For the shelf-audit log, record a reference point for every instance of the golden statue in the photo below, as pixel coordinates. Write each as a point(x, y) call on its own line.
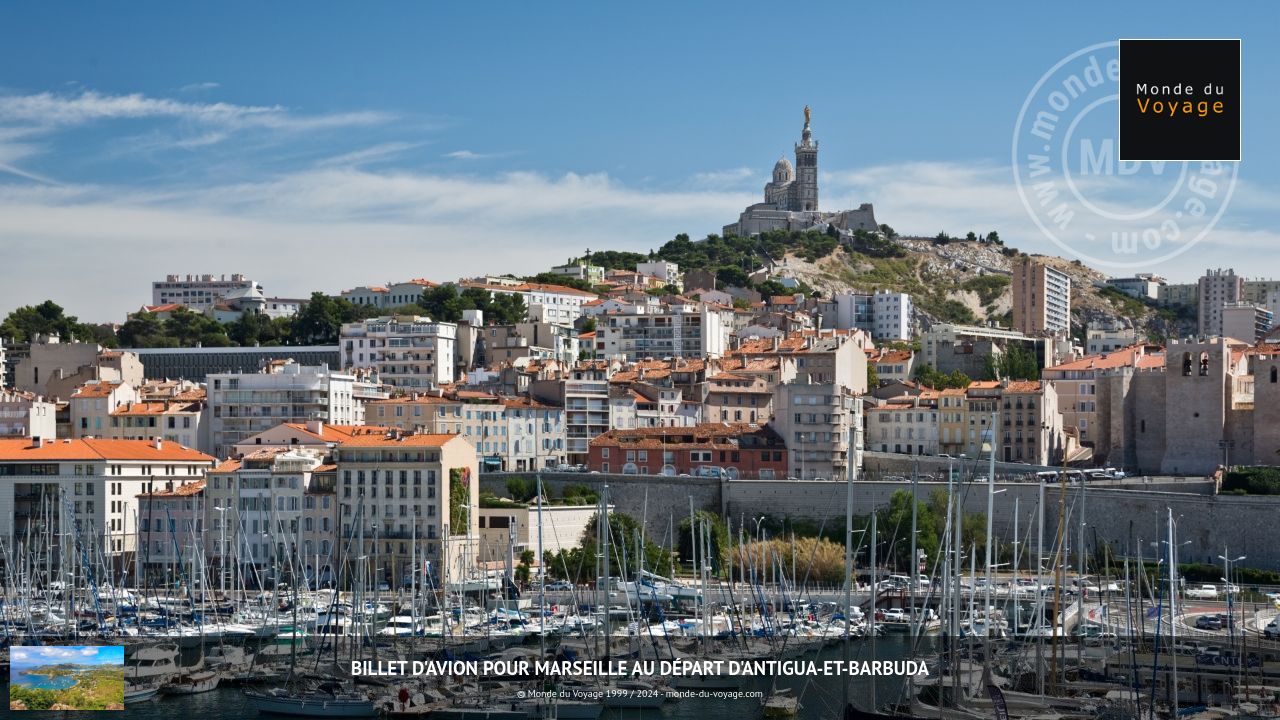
point(806, 114)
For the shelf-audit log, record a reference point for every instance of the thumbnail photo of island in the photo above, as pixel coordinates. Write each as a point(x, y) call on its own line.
point(77, 677)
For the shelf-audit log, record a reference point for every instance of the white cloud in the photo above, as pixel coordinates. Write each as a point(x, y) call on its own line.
point(365, 156)
point(198, 87)
point(50, 110)
point(733, 179)
point(469, 155)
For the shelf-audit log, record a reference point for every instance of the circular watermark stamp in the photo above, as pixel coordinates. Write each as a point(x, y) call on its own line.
point(1082, 196)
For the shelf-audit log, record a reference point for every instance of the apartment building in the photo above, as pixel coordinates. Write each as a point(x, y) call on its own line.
point(817, 421)
point(1041, 298)
point(198, 292)
point(907, 424)
point(391, 295)
point(819, 356)
point(24, 414)
point(170, 533)
point(405, 351)
point(690, 330)
point(584, 394)
point(256, 511)
point(1030, 428)
point(52, 486)
point(732, 450)
point(1245, 321)
point(1215, 290)
point(508, 433)
point(242, 405)
point(393, 487)
point(55, 369)
point(737, 398)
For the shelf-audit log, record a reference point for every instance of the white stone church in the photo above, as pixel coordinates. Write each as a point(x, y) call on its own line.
point(791, 198)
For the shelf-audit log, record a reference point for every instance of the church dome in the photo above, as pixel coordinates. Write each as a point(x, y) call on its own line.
point(782, 171)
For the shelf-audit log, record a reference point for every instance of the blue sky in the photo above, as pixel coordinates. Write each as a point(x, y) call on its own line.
point(324, 146)
point(77, 654)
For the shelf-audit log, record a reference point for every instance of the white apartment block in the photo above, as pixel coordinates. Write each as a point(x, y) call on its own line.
point(198, 292)
point(91, 485)
point(245, 404)
point(691, 330)
point(508, 433)
point(391, 295)
point(667, 272)
point(405, 351)
point(507, 532)
point(891, 313)
point(24, 414)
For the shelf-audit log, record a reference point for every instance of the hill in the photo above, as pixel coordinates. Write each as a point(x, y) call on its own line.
point(960, 280)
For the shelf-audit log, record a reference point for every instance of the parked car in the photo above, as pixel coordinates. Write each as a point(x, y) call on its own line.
point(1272, 630)
point(895, 615)
point(559, 585)
point(1204, 592)
point(1208, 622)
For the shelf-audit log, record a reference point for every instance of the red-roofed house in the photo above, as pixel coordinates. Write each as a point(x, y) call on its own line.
point(95, 482)
point(740, 450)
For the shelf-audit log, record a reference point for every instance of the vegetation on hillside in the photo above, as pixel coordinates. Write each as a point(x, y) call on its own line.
point(96, 688)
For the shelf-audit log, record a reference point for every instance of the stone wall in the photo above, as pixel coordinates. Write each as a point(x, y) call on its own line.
point(1122, 516)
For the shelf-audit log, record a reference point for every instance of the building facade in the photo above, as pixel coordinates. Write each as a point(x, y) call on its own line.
point(405, 351)
point(245, 404)
point(198, 292)
point(1041, 298)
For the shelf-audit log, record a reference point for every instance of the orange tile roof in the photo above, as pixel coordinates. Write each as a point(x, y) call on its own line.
point(166, 307)
point(340, 433)
point(227, 466)
point(1124, 357)
point(894, 356)
point(1023, 386)
point(183, 490)
point(397, 440)
point(98, 449)
point(154, 408)
point(324, 468)
point(95, 390)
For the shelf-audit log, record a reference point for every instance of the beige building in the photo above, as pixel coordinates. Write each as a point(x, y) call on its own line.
point(817, 422)
point(1084, 404)
point(1041, 298)
point(506, 532)
point(55, 369)
point(1216, 289)
point(737, 398)
point(1030, 424)
point(395, 486)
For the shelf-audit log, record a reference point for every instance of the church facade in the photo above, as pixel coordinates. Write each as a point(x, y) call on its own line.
point(791, 198)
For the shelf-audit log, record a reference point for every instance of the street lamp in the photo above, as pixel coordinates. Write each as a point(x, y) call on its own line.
point(1226, 579)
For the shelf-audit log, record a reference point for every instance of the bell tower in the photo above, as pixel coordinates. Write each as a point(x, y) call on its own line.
point(806, 182)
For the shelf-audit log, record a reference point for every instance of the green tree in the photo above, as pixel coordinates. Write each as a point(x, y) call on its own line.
point(873, 377)
point(47, 318)
point(320, 321)
point(894, 527)
point(188, 327)
point(141, 330)
point(719, 540)
point(460, 481)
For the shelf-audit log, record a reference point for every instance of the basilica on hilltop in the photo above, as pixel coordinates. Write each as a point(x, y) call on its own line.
point(791, 198)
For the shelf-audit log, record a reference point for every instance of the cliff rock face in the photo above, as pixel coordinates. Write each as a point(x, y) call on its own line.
point(17, 705)
point(962, 282)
